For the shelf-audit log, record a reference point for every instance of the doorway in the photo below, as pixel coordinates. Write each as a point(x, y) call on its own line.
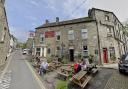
point(105, 55)
point(71, 54)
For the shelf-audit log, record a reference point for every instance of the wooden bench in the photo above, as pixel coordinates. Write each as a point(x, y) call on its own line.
point(88, 78)
point(81, 79)
point(63, 74)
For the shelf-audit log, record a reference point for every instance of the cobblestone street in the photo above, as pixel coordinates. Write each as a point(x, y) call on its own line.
point(117, 81)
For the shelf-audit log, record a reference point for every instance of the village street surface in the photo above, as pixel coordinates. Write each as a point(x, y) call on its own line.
point(18, 75)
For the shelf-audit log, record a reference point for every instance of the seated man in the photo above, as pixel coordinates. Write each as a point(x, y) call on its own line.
point(44, 65)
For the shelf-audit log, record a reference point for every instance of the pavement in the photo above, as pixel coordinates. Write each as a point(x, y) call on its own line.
point(110, 66)
point(18, 75)
point(117, 81)
point(98, 81)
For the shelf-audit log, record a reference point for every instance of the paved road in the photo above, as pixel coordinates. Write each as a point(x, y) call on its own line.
point(117, 81)
point(99, 81)
point(19, 75)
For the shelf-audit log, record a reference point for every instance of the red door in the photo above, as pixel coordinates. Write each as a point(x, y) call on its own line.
point(105, 55)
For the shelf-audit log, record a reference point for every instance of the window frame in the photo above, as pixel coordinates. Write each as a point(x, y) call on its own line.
point(58, 33)
point(107, 18)
point(42, 35)
point(71, 35)
point(84, 33)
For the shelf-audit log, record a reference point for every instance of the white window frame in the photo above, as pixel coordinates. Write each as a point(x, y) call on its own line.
point(85, 51)
point(3, 35)
point(58, 33)
point(107, 18)
point(84, 33)
point(71, 35)
point(109, 30)
point(42, 35)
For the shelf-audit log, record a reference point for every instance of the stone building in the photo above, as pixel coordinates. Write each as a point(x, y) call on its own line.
point(4, 34)
point(99, 35)
point(13, 43)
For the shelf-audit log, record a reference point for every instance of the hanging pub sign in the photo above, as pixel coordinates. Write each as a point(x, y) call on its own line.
point(49, 34)
point(31, 34)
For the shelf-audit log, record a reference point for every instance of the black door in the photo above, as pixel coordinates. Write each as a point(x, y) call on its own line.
point(71, 54)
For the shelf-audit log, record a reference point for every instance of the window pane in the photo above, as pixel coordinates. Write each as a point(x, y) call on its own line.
point(109, 29)
point(49, 50)
point(107, 18)
point(84, 36)
point(84, 33)
point(42, 37)
point(70, 32)
point(71, 37)
point(57, 33)
point(84, 30)
point(58, 37)
point(58, 48)
point(38, 49)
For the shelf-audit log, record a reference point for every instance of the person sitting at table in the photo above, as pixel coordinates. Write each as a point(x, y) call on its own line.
point(44, 65)
point(83, 64)
point(77, 67)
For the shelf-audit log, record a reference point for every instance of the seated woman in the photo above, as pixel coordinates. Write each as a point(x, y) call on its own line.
point(83, 65)
point(77, 67)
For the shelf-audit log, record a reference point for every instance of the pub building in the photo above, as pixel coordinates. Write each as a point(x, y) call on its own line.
point(100, 35)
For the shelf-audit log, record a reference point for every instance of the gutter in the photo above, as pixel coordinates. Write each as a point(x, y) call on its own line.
point(98, 42)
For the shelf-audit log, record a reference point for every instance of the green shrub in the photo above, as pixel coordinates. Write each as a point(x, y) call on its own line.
point(79, 56)
point(113, 58)
point(64, 61)
point(91, 58)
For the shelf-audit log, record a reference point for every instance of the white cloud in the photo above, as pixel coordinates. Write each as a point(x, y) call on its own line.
point(52, 4)
point(32, 18)
point(20, 33)
point(34, 3)
point(119, 7)
point(75, 8)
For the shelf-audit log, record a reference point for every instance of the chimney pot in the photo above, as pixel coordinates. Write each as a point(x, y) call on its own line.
point(57, 19)
point(47, 21)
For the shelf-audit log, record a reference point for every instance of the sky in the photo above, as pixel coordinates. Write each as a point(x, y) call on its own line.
point(25, 15)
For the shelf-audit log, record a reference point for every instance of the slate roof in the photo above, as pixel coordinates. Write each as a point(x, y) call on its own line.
point(79, 20)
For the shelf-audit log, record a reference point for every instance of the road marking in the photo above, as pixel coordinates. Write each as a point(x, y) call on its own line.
point(6, 80)
point(36, 77)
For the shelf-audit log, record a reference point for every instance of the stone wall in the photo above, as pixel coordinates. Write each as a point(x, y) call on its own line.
point(4, 35)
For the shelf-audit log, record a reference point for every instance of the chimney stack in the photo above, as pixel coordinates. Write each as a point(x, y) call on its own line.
point(57, 19)
point(46, 21)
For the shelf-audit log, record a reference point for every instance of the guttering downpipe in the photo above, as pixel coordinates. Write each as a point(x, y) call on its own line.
point(98, 42)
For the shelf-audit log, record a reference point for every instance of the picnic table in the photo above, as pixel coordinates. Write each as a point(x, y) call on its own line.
point(51, 66)
point(81, 78)
point(65, 71)
point(56, 64)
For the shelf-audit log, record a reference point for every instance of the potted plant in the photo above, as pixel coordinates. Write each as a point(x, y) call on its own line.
point(113, 58)
point(91, 58)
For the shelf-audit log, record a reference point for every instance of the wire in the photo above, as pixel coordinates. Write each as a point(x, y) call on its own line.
point(83, 2)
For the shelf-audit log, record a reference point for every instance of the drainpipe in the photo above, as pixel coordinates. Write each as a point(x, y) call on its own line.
point(98, 42)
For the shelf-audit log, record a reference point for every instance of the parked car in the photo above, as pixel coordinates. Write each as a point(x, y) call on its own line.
point(25, 51)
point(123, 64)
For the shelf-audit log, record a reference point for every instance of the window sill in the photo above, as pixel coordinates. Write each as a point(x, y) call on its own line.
point(58, 40)
point(1, 41)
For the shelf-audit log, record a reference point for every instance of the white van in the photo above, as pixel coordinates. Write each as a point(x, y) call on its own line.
point(25, 51)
